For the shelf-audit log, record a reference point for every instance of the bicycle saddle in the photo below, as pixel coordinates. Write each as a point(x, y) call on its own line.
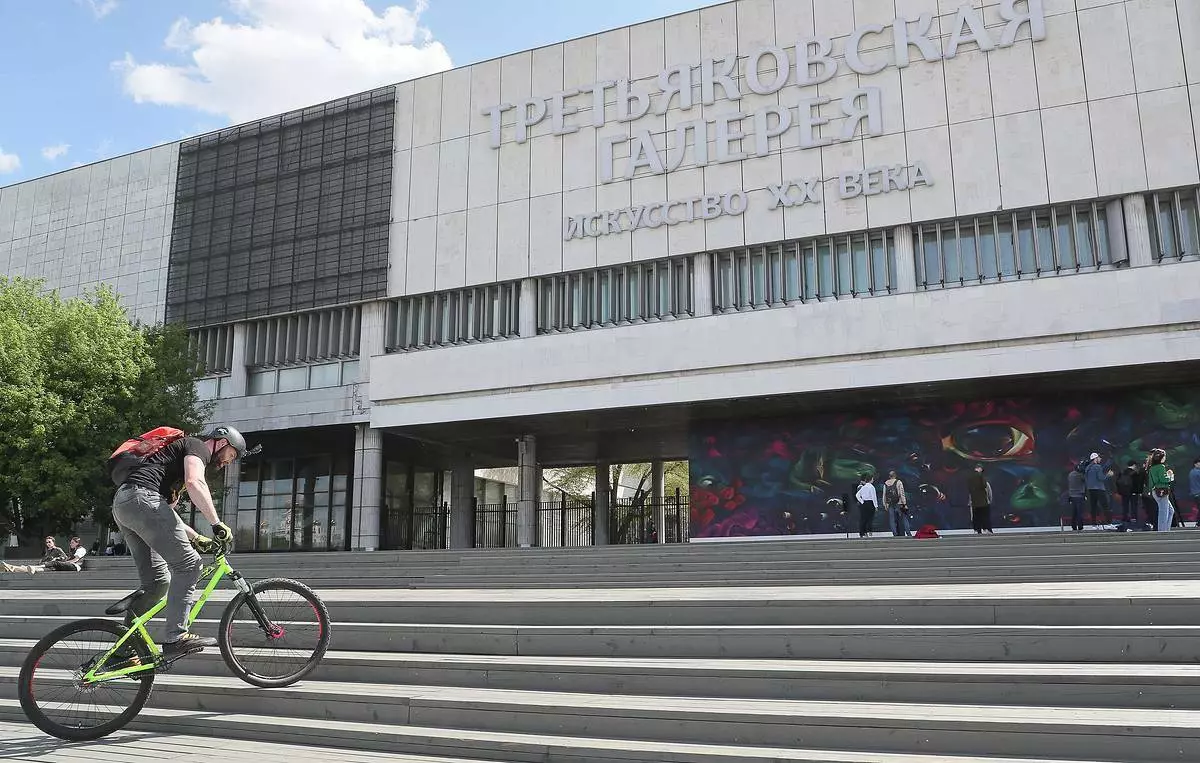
point(123, 606)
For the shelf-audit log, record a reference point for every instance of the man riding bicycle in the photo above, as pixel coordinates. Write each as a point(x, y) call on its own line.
point(159, 541)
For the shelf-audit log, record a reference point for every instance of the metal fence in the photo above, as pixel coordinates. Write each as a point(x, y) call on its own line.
point(495, 524)
point(566, 521)
point(634, 521)
point(419, 528)
point(563, 522)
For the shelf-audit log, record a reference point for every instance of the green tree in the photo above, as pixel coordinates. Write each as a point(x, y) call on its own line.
point(76, 379)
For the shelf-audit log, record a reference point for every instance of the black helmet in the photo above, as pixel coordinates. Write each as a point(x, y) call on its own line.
point(231, 436)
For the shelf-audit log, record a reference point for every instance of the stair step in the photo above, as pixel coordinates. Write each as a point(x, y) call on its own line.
point(1064, 684)
point(1157, 602)
point(1154, 644)
point(263, 739)
point(1129, 734)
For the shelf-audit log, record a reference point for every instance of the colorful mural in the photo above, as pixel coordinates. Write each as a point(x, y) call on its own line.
point(785, 477)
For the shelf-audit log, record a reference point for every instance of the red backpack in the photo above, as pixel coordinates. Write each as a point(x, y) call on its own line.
point(132, 453)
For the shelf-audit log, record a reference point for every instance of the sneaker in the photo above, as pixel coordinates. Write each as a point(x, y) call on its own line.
point(187, 644)
point(6, 566)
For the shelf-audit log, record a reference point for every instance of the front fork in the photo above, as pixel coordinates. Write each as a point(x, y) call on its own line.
point(269, 628)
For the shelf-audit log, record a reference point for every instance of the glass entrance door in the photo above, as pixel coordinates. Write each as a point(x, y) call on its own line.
point(293, 504)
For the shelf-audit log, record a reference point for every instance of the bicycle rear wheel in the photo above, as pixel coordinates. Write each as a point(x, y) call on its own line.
point(291, 645)
point(58, 701)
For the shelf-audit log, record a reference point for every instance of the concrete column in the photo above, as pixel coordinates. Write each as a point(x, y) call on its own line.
point(702, 284)
point(658, 484)
point(906, 260)
point(529, 479)
point(1115, 215)
point(527, 325)
point(235, 385)
point(370, 337)
point(1141, 250)
point(368, 488)
point(604, 491)
point(462, 508)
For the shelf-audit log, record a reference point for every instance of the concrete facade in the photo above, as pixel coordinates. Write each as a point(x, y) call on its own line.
point(1097, 106)
point(107, 223)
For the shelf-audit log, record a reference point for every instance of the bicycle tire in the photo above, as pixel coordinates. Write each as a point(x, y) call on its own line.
point(29, 669)
point(246, 674)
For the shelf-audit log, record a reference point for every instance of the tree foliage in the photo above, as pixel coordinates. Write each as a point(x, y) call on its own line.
point(76, 379)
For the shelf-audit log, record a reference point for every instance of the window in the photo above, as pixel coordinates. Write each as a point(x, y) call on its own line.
point(325, 375)
point(852, 265)
point(464, 316)
point(261, 382)
point(650, 291)
point(292, 504)
point(1174, 223)
point(208, 389)
point(1025, 244)
point(292, 379)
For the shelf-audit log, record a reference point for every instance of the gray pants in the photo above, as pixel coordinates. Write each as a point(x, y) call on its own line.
point(166, 561)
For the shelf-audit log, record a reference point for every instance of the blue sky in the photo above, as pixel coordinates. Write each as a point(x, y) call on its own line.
point(85, 80)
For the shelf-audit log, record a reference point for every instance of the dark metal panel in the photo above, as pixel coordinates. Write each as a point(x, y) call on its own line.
point(287, 213)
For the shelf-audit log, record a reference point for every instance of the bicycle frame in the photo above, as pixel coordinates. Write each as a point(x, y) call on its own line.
point(214, 573)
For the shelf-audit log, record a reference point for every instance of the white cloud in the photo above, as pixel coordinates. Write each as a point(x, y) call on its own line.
point(280, 55)
point(50, 153)
point(99, 8)
point(9, 163)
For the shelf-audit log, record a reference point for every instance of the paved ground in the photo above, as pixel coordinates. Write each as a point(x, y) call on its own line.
point(22, 742)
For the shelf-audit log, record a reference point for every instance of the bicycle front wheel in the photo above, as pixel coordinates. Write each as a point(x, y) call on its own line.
point(276, 635)
point(59, 701)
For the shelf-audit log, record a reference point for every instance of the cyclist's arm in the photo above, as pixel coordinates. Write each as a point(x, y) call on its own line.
point(197, 488)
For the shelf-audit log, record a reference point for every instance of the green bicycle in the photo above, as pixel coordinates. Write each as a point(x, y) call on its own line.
point(89, 678)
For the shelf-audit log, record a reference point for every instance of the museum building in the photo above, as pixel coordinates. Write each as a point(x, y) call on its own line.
point(787, 241)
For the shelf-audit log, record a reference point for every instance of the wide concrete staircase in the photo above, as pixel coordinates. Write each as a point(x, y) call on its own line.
point(1013, 648)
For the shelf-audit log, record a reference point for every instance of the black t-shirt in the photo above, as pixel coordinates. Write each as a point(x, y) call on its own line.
point(163, 471)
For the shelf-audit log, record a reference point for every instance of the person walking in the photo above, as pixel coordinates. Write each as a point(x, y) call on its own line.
point(1076, 493)
point(1159, 479)
point(979, 497)
point(896, 502)
point(868, 500)
point(1194, 488)
point(1097, 493)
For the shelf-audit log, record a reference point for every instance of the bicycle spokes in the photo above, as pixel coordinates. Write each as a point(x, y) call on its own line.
point(60, 681)
point(274, 631)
